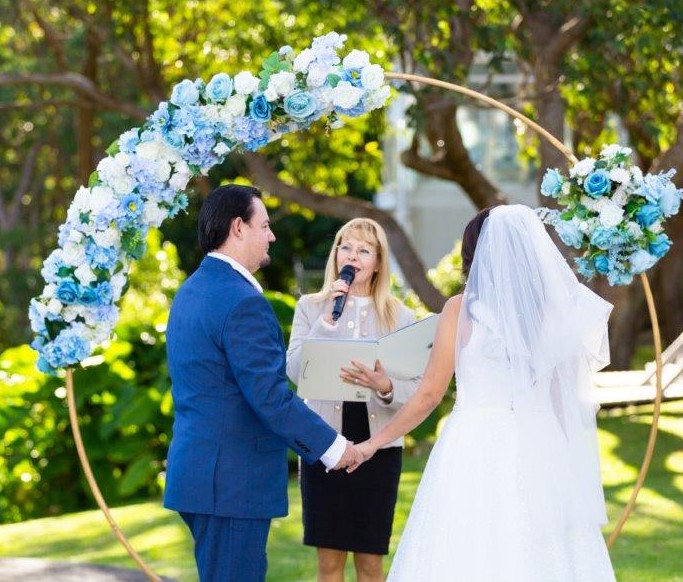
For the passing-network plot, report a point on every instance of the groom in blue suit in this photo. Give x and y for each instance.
(235, 415)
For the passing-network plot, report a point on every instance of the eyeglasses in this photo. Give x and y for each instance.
(362, 252)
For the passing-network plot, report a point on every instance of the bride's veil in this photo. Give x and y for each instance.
(548, 330)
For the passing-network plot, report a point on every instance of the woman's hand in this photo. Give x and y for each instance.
(359, 374)
(338, 288)
(366, 449)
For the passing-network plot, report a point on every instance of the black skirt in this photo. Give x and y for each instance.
(352, 512)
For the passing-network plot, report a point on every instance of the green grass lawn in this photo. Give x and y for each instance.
(650, 548)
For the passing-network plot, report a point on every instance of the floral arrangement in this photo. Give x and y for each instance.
(613, 213)
(141, 182)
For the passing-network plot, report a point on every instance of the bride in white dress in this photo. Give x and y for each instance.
(511, 491)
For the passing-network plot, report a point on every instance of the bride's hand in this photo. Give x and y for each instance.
(365, 451)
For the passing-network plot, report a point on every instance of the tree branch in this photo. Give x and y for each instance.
(81, 85)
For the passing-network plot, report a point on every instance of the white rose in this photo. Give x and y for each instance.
(356, 60)
(101, 197)
(302, 60)
(49, 293)
(149, 150)
(611, 215)
(221, 149)
(74, 254)
(153, 215)
(113, 172)
(377, 98)
(81, 201)
(270, 94)
(588, 202)
(345, 95)
(70, 313)
(85, 274)
(609, 151)
(620, 175)
(634, 230)
(317, 75)
(236, 105)
(582, 225)
(582, 168)
(107, 238)
(566, 187)
(179, 180)
(54, 306)
(162, 170)
(656, 227)
(282, 83)
(75, 236)
(118, 281)
(620, 197)
(372, 77)
(245, 83)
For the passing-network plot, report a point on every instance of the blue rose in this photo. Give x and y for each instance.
(647, 214)
(219, 88)
(601, 264)
(67, 292)
(551, 185)
(300, 104)
(87, 296)
(174, 139)
(604, 238)
(569, 233)
(259, 109)
(641, 261)
(597, 184)
(660, 246)
(184, 93)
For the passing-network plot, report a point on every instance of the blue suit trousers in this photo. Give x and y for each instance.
(229, 549)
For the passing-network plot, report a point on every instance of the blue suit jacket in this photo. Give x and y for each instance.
(234, 412)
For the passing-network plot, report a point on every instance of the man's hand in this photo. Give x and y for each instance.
(350, 457)
(365, 450)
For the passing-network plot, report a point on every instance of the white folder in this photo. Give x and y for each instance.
(403, 353)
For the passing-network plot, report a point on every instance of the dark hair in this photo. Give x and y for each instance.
(470, 238)
(220, 208)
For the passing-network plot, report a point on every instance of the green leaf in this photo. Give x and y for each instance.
(94, 179)
(113, 149)
(136, 475)
(333, 80)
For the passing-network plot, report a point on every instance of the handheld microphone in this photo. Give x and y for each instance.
(347, 274)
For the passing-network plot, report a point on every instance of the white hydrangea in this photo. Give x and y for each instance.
(220, 149)
(317, 75)
(656, 227)
(179, 180)
(620, 197)
(634, 230)
(162, 170)
(609, 151)
(587, 201)
(54, 306)
(102, 196)
(637, 174)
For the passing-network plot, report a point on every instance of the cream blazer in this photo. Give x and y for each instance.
(358, 320)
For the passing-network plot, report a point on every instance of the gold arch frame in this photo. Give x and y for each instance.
(71, 401)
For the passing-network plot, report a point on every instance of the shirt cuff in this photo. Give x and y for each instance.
(388, 396)
(333, 455)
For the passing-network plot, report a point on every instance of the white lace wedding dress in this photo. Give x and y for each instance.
(498, 501)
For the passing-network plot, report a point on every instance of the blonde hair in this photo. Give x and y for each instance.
(368, 231)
